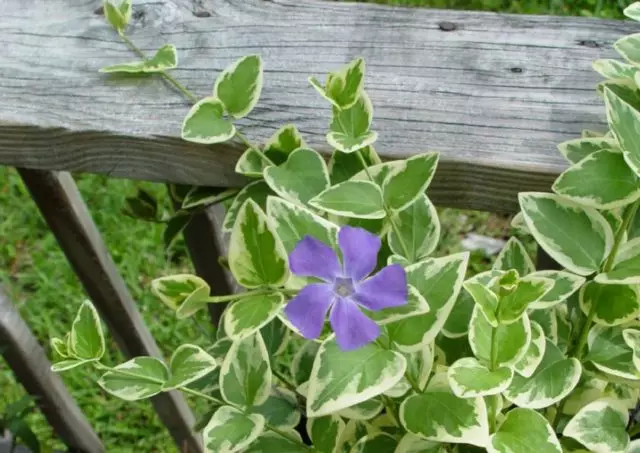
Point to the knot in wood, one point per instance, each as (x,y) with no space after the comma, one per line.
(447,26)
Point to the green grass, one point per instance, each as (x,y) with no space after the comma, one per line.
(43,286)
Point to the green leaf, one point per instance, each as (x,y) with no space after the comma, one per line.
(375,443)
(626,267)
(610,353)
(629,48)
(416,305)
(524,431)
(577,237)
(457,324)
(270,442)
(164,59)
(139,378)
(245,375)
(349,128)
(276,337)
(344,86)
(68,364)
(282,143)
(360,199)
(529,362)
(60,346)
(340,379)
(303,176)
(87,338)
(174,227)
(632,338)
(205,123)
(614,69)
(470,378)
(418,228)
(365,410)
(302,362)
(514,256)
(183,293)
(409,180)
(548,321)
(231,431)
(624,121)
(204,196)
(528,290)
(253,163)
(119,15)
(280,409)
(23,436)
(601,427)
(143,206)
(256,254)
(439,281)
(410,443)
(518,224)
(576,150)
(614,304)
(239,86)
(565,284)
(257,191)
(326,432)
(633,11)
(612,183)
(188,364)
(443,417)
(486,300)
(294,222)
(512,339)
(419,365)
(249,314)
(343,166)
(554,379)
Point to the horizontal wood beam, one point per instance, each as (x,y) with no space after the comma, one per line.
(494,93)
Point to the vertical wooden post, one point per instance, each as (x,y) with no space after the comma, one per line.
(66,214)
(29,363)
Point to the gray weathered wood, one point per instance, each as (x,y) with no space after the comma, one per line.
(494,95)
(29,363)
(66,214)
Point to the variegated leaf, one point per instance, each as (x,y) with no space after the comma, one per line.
(632,338)
(68,364)
(554,378)
(418,227)
(204,196)
(257,191)
(614,304)
(565,284)
(349,128)
(302,362)
(411,443)
(343,166)
(117,13)
(577,237)
(633,11)
(139,378)
(485,299)
(280,409)
(282,143)
(409,180)
(239,86)
(341,379)
(276,337)
(439,281)
(231,431)
(524,431)
(529,362)
(374,443)
(184,293)
(514,256)
(256,254)
(303,176)
(344,86)
(419,365)
(188,364)
(416,305)
(365,410)
(528,290)
(360,199)
(441,416)
(270,442)
(252,163)
(249,314)
(164,59)
(245,375)
(626,267)
(610,353)
(614,69)
(577,149)
(613,183)
(601,427)
(326,433)
(457,324)
(629,47)
(624,120)
(469,378)
(205,123)
(86,341)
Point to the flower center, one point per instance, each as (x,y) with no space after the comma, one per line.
(343,287)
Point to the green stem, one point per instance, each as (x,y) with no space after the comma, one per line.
(494,348)
(387,211)
(390,408)
(492,402)
(243,138)
(287,383)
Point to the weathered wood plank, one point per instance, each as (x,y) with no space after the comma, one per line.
(494,95)
(66,214)
(29,363)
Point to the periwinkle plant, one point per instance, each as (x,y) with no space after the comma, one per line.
(520,360)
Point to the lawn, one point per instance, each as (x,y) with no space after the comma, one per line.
(41,283)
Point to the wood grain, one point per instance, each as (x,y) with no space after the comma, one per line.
(68,218)
(29,363)
(494,94)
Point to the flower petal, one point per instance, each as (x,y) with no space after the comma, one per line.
(352,327)
(359,250)
(308,309)
(314,258)
(388,288)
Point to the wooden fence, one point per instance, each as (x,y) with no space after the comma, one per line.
(493,93)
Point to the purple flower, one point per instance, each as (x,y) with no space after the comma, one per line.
(345,289)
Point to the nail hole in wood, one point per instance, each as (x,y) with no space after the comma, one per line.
(99,11)
(588,43)
(447,26)
(516,70)
(202,13)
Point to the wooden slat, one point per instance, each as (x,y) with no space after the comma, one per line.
(66,214)
(29,363)
(494,94)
